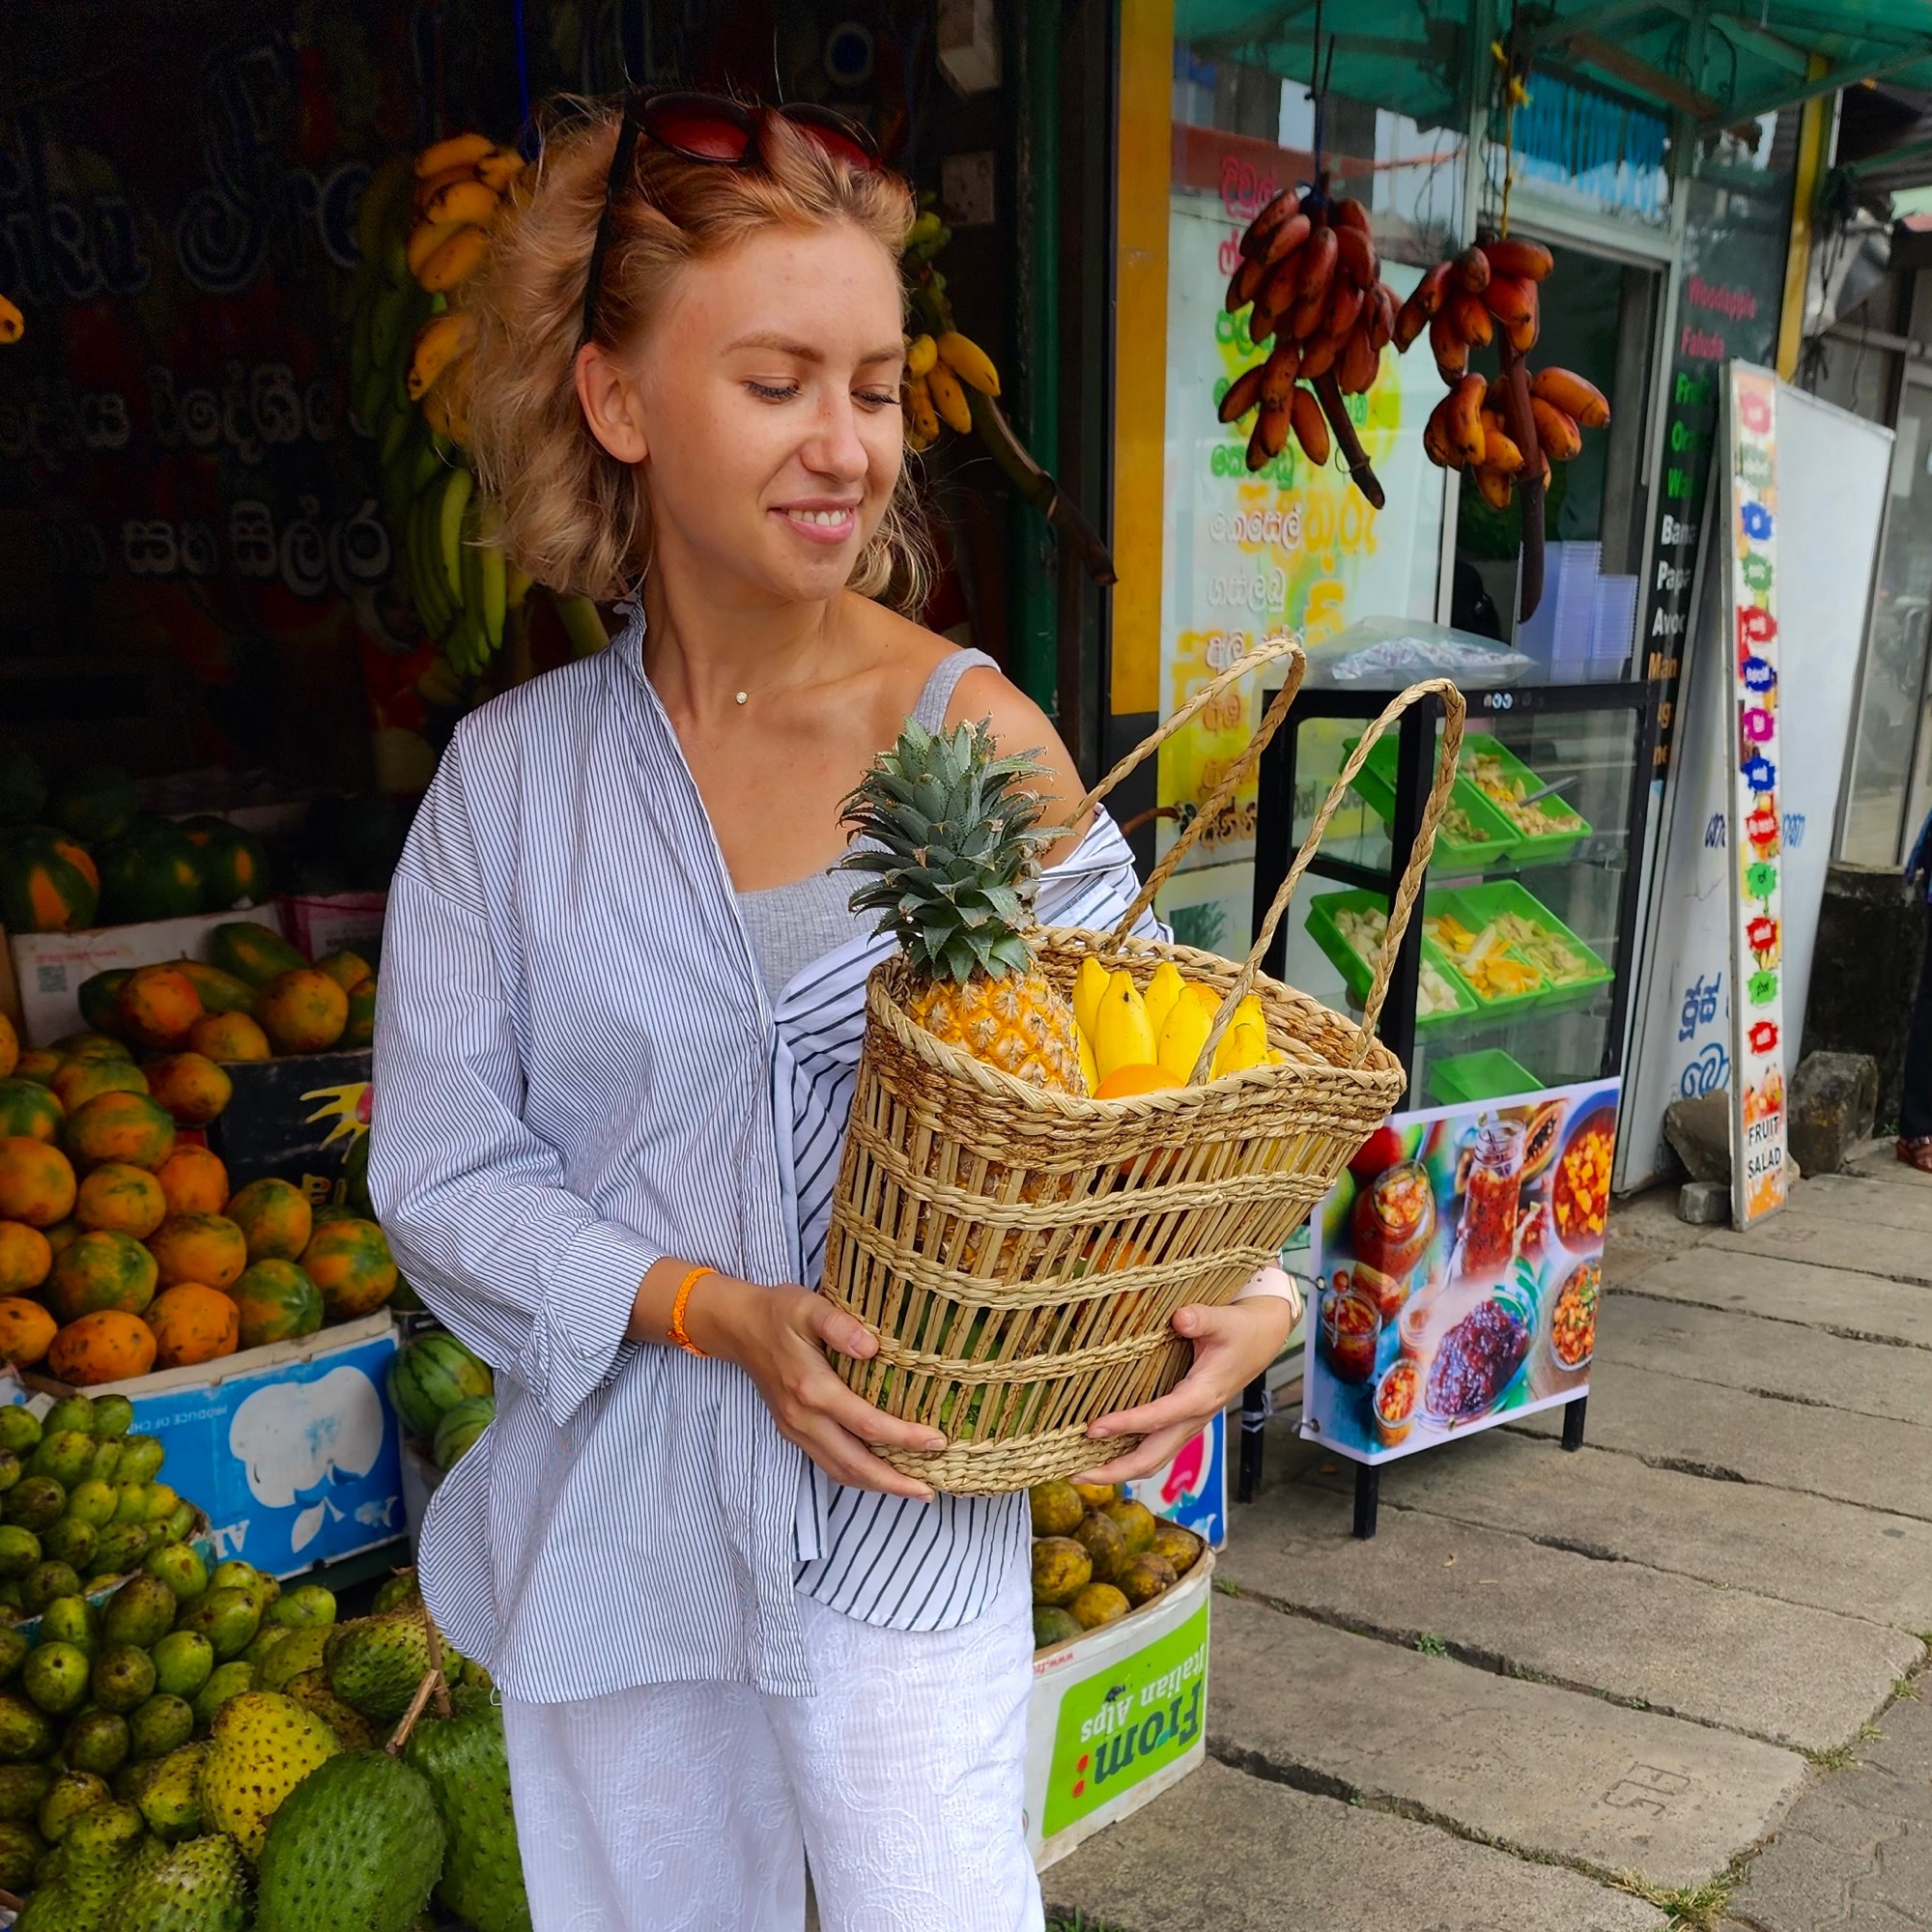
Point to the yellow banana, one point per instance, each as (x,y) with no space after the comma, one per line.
(459,151)
(922,353)
(426,191)
(1089,1071)
(462,201)
(1183,1037)
(13,323)
(969,362)
(1163,989)
(1090,989)
(425,238)
(919,409)
(499,167)
(439,341)
(1121,1034)
(456,261)
(1244,1046)
(949,398)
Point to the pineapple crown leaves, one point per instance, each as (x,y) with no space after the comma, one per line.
(955,835)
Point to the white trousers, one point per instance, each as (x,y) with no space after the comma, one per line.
(697,1806)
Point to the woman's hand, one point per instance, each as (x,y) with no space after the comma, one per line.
(778,1337)
(1232,1346)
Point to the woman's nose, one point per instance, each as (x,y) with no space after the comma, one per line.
(835,447)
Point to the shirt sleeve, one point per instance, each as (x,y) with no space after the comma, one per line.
(473,1200)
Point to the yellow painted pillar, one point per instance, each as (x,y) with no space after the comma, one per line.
(1814,130)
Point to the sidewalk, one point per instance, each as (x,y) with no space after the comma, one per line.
(1668,1681)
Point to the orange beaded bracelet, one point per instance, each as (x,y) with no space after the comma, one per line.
(677,1307)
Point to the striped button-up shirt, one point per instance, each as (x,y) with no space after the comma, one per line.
(578,1074)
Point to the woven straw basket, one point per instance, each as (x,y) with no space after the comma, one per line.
(1020,1254)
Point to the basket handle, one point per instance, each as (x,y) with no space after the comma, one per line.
(1454,710)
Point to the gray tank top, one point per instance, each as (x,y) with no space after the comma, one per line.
(790,925)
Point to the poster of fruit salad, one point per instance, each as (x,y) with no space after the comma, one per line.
(1460,1265)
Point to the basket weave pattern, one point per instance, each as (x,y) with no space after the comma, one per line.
(1020,1254)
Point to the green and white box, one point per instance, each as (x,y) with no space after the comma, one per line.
(1116,1717)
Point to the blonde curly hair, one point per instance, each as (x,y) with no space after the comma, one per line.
(573,516)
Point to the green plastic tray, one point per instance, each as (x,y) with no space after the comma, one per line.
(1461,905)
(1356,972)
(1374,784)
(1540,848)
(1489,1075)
(1486,902)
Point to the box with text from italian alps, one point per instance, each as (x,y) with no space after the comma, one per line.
(291,1449)
(1116,1717)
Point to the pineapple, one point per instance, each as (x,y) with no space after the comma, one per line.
(953,838)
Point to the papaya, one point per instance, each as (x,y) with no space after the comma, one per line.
(29,1109)
(156,1007)
(26,1331)
(36,1181)
(26,1256)
(222,1037)
(349,1261)
(119,1126)
(346,968)
(150,870)
(302,1011)
(94,801)
(234,866)
(194,1180)
(106,1347)
(277,1303)
(96,996)
(205,1248)
(251,952)
(122,1200)
(191,1086)
(63,1234)
(38,1065)
(100,1270)
(360,1029)
(219,992)
(274,1217)
(48,881)
(87,1044)
(194,1323)
(76,1082)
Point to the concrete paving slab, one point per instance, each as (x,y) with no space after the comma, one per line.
(1828,1240)
(1549,1771)
(1673,1644)
(1855,1198)
(1880,1163)
(1858,1307)
(1226,1852)
(1752,1438)
(1702,1345)
(1798,1548)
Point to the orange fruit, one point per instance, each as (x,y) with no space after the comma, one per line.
(125,1199)
(275,1220)
(106,1347)
(302,1011)
(26,1328)
(36,1181)
(156,1007)
(25,1257)
(1136,1077)
(119,1126)
(193,1181)
(76,1082)
(194,1323)
(191,1086)
(228,1036)
(206,1248)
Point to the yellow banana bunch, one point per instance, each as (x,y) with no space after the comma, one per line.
(969,362)
(939,371)
(442,340)
(1135,1041)
(458,188)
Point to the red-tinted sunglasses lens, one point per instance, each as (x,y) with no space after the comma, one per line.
(842,139)
(700,128)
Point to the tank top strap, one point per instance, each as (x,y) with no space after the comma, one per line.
(931,710)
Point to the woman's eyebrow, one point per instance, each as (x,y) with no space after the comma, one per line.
(806,352)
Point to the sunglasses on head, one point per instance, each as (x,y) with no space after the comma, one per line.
(709,127)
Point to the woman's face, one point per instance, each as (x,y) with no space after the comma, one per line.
(769,407)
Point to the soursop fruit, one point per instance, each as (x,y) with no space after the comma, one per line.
(356,1848)
(464,1760)
(99,1851)
(353,1730)
(376,1662)
(300,1650)
(198,1886)
(261,1748)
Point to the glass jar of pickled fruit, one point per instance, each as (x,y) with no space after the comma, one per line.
(1350,1332)
(1395,1219)
(1491,1197)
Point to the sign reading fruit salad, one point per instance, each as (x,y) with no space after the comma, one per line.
(1459,1266)
(1758,1180)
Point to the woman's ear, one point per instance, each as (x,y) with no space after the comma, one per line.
(612,405)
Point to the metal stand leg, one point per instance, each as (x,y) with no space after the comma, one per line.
(1573,1422)
(1368,1495)
(1254,1414)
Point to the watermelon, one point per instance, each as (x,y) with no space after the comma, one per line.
(234,867)
(94,801)
(151,871)
(460,1425)
(251,952)
(23,789)
(429,1377)
(47,881)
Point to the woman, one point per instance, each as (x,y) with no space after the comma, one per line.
(621,1007)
